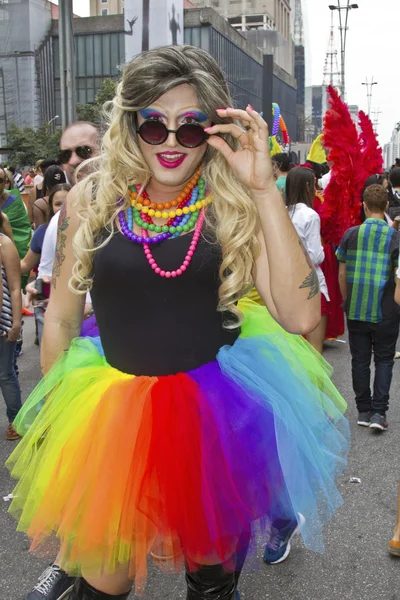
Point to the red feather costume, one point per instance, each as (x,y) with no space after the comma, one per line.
(355,157)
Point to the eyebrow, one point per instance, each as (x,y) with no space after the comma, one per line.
(151,112)
(196,114)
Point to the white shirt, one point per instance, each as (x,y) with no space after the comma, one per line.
(49,248)
(325,179)
(37,179)
(308,226)
(49,251)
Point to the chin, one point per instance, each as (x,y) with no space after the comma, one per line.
(174,177)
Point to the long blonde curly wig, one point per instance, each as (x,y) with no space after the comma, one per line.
(232,215)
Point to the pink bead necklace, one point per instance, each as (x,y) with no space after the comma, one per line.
(188,257)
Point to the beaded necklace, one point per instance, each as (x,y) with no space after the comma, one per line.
(189,214)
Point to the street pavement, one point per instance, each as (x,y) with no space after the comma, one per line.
(355,565)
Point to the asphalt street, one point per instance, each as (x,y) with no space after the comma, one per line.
(355,565)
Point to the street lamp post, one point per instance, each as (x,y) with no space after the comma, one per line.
(369,85)
(343,28)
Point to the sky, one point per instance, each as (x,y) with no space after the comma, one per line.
(372,50)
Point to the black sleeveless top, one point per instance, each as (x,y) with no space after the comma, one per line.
(150,325)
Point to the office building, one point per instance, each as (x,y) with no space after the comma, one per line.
(391,150)
(316,105)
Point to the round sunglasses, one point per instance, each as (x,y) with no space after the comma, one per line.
(84,152)
(188,135)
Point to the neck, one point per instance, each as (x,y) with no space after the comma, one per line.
(159,192)
(376,216)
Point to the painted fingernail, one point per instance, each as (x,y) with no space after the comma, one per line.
(250,106)
(207,128)
(220,109)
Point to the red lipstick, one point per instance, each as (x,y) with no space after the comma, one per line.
(170,160)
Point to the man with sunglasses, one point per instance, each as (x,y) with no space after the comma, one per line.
(78,143)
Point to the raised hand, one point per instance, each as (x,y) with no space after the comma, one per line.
(251,163)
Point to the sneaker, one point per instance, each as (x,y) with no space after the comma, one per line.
(12,434)
(394,548)
(364,419)
(278,548)
(53,584)
(379,422)
(397,355)
(27,313)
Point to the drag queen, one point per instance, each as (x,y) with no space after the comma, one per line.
(196,418)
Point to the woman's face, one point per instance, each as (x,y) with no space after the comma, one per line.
(171,163)
(58,200)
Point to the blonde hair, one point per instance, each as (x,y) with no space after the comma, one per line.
(10,177)
(233,216)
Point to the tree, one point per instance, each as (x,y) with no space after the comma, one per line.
(26,145)
(94,112)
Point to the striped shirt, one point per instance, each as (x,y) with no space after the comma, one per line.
(371,253)
(6,316)
(19,182)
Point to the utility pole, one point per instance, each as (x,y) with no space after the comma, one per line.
(369,85)
(375,113)
(3,87)
(343,28)
(67,63)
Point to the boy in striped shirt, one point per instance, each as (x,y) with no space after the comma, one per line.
(368,256)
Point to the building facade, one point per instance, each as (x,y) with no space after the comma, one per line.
(103,8)
(24,24)
(391,150)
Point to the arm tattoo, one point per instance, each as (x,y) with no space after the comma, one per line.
(311,281)
(61,242)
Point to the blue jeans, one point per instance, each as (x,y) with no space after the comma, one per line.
(382,338)
(39,316)
(9,383)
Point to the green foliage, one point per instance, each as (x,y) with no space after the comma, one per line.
(94,112)
(27,145)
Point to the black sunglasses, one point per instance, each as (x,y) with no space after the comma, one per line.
(188,135)
(84,152)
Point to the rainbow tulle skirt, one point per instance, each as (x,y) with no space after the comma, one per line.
(116,466)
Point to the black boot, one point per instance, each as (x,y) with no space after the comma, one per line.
(82,590)
(211,583)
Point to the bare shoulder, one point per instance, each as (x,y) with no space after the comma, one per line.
(8,247)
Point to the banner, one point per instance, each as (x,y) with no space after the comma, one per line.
(152,23)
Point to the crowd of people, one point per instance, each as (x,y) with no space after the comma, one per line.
(134,445)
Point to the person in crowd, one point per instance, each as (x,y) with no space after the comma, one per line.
(37,180)
(300,193)
(54,581)
(79,142)
(37,191)
(12,205)
(394,181)
(18,179)
(54,176)
(30,176)
(10,327)
(186,470)
(368,256)
(281,167)
(378,179)
(5,227)
(31,261)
